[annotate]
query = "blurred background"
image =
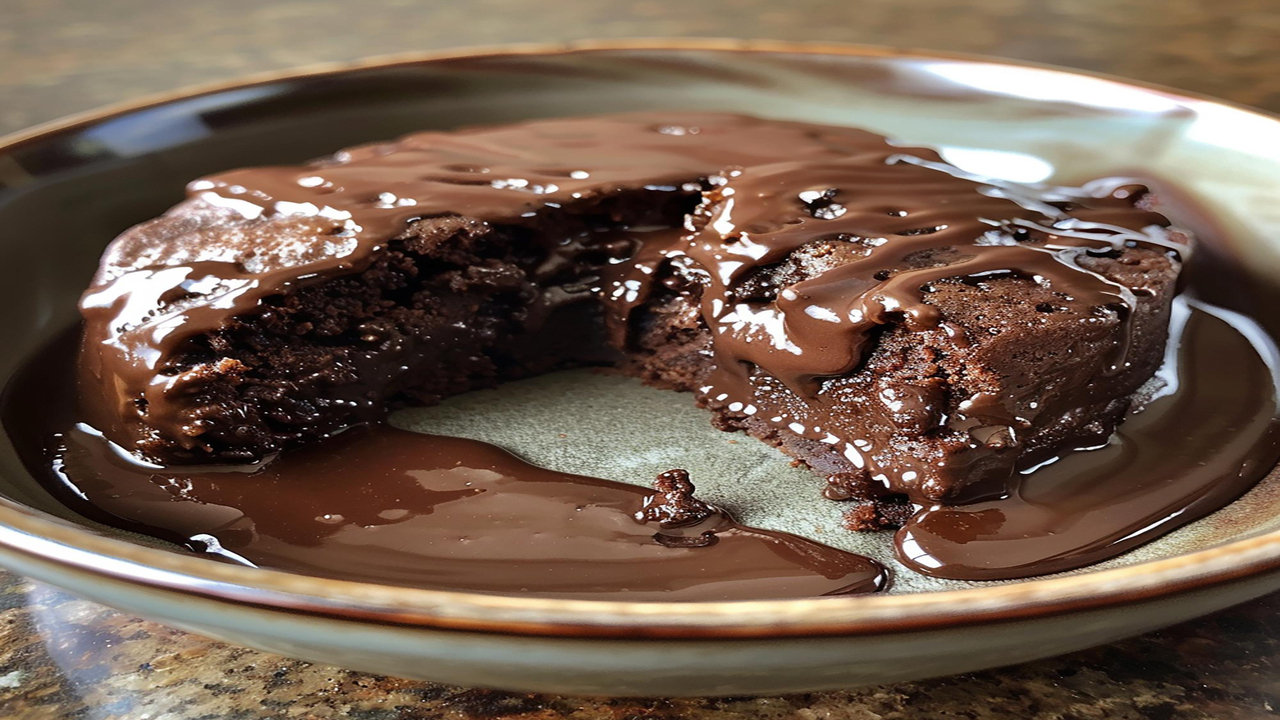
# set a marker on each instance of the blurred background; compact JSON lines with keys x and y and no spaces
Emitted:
{"x":64,"y":56}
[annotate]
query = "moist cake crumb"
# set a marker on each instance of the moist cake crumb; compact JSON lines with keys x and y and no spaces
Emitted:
{"x":881,"y":514}
{"x":673,"y":505}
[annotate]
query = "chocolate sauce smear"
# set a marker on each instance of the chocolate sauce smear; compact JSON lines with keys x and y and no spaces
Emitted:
{"x":385,"y":505}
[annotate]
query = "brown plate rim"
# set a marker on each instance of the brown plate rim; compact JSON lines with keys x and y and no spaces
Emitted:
{"x":32,"y":538}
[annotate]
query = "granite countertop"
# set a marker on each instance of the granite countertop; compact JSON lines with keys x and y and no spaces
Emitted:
{"x":61,"y":657}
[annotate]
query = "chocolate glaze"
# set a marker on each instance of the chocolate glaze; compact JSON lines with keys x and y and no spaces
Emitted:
{"x":819,"y":327}
{"x":767,"y":189}
{"x":380,"y":504}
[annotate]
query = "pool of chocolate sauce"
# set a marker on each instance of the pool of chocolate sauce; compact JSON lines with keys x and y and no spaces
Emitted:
{"x":381,"y":504}
{"x":387,"y":505}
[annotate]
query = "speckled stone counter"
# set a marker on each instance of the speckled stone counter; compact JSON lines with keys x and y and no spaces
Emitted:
{"x":61,"y":657}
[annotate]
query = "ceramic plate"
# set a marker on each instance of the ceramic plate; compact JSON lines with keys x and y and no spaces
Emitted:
{"x":67,"y":188}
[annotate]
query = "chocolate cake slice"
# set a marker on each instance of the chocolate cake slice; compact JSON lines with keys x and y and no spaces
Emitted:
{"x":879,"y":315}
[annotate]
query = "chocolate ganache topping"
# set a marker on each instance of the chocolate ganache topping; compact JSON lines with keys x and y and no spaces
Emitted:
{"x":802,"y":245}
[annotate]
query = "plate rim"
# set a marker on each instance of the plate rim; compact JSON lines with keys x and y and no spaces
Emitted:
{"x":47,"y":542}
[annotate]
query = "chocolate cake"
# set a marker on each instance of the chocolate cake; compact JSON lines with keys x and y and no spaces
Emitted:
{"x":910,"y":330}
